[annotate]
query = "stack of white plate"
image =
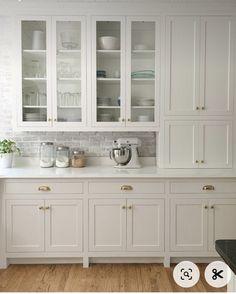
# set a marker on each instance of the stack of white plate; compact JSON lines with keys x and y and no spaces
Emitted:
{"x":34,"y":117}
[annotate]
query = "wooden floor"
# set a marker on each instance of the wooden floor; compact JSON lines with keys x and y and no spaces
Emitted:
{"x":97,"y":278}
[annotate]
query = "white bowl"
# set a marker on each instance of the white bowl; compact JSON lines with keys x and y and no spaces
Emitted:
{"x":108,"y":43}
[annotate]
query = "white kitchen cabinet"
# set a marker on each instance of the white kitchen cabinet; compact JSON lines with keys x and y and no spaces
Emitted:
{"x":222,"y":220}
{"x":206,"y":89}
{"x":107,"y":224}
{"x":188,"y":225}
{"x":205,"y":144}
{"x":52,"y":73}
{"x":25,"y":225}
{"x":126,"y":225}
{"x":64,"y":225}
{"x":182,"y":65}
{"x":145,"y":225}
{"x":44,"y":225}
{"x":126,"y":78}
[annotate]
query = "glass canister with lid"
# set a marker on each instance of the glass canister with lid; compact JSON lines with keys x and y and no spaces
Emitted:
{"x":62,"y":156}
{"x":46,"y":154}
{"x":78,"y":158}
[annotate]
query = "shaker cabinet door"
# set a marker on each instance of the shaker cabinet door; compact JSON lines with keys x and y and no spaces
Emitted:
{"x":107,"y":225}
{"x":181,"y":144}
{"x":63,"y":229}
{"x":217,"y":65}
{"x":222,"y":220}
{"x":25,"y":225}
{"x":145,"y":225}
{"x":188,"y":225}
{"x":182,"y":65}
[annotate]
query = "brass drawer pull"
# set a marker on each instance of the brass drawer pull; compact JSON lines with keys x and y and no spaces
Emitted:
{"x":130,"y":207}
{"x":44,"y":188}
{"x":205,"y":206}
{"x":123,"y":207}
{"x":47,"y":207}
{"x":208,"y":188}
{"x":41,"y":208}
{"x":126,"y":188}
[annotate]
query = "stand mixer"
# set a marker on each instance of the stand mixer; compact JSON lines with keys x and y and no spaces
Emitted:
{"x":125,"y":153}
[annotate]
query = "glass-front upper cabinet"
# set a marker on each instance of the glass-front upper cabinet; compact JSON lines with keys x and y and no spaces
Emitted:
{"x":108,"y":62}
{"x":143,"y":71}
{"x":34,"y":72}
{"x":69,"y":107}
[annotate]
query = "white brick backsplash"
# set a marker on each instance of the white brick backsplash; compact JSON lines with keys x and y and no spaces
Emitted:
{"x":95,"y":144}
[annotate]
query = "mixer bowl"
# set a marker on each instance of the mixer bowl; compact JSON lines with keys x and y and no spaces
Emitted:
{"x":121,"y":155}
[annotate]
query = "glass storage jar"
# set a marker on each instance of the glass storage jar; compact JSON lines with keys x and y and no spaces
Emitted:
{"x":78,"y":158}
{"x":62,"y":156}
{"x":46,"y":154}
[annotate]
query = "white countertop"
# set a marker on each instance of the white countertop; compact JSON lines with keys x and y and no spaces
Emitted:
{"x":111,"y":172}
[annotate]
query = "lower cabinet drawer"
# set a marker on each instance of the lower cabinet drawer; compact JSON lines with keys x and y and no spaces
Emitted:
{"x":212,"y":186}
{"x":126,"y":187}
{"x":43,"y":187}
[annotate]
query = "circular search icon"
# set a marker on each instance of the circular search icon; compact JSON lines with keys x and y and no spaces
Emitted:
{"x":186,"y":274}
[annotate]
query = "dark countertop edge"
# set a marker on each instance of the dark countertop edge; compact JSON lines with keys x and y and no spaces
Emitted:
{"x":225,"y":257}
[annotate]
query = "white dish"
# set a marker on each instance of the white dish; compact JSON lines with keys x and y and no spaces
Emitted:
{"x":108,"y":43}
{"x":140,"y":47}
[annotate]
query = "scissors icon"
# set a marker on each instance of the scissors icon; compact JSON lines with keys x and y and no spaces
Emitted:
{"x":217,"y":274}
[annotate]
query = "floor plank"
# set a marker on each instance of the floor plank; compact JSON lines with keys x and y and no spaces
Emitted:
{"x":97,"y":278}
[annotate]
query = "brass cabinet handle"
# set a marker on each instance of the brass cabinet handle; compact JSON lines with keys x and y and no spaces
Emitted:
{"x":203,"y":108}
{"x":213,"y":206}
{"x":130,"y":207}
{"x":123,"y":119}
{"x":197,"y":108}
{"x":208,"y":188}
{"x":202,"y":161}
{"x":196,"y":161}
{"x":44,"y":188}
{"x":55,"y":119}
{"x":47,"y":207}
{"x":126,"y":188}
{"x":129,"y":119}
{"x":41,"y":207}
{"x":49,"y":119}
{"x":206,"y":207}
{"x":123,"y":207}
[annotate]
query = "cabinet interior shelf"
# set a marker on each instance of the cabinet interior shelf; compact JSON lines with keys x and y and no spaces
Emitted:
{"x":143,"y":107}
{"x":34,"y":79}
{"x":69,"y":79}
{"x":69,"y":106}
{"x":143,"y":51}
{"x":108,"y":53}
{"x":34,"y":106}
{"x":68,"y":51}
{"x":34,"y":51}
{"x":108,"y":79}
{"x":143,"y":79}
{"x":108,"y":107}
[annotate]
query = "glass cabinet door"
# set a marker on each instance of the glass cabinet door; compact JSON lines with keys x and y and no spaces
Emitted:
{"x":143,"y":72}
{"x":34,"y":72}
{"x":108,"y":60}
{"x":69,"y":78}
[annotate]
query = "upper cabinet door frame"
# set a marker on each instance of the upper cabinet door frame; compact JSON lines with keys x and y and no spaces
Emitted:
{"x":80,"y":19}
{"x":215,"y":51}
{"x":121,"y":122}
{"x":19,"y":81}
{"x":178,"y":61}
{"x":157,"y":81}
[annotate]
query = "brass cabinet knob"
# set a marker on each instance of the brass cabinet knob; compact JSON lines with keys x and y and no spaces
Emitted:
{"x":49,"y":119}
{"x":129,"y":119}
{"x":130,"y":207}
{"x":126,"y":188}
{"x":55,"y":119}
{"x":44,"y":188}
{"x":202,"y":161}
{"x":123,"y":119}
{"x":47,"y":207}
{"x":41,"y":207}
{"x":196,"y":161}
{"x":197,"y":108}
{"x":213,"y":206}
{"x":123,"y":207}
{"x":203,"y":108}
{"x":208,"y":188}
{"x":206,"y":207}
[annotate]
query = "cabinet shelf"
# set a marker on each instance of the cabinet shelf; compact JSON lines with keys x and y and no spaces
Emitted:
{"x":116,"y":80}
{"x":68,"y":51}
{"x":143,"y":79}
{"x":35,"y":79}
{"x":143,"y":51}
{"x":108,"y":107}
{"x":34,"y":106}
{"x":143,"y":107}
{"x":65,"y":107}
{"x":108,"y":53}
{"x":69,"y":79}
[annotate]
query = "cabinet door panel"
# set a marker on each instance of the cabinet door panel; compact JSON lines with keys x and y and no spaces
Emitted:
{"x":64,"y":225}
{"x":107,"y":225}
{"x":181,"y":144}
{"x":222,"y":220}
{"x":25,"y":225}
{"x":145,"y":225}
{"x":182,"y":80}
{"x":188,"y":225}
{"x":217,"y":64}
{"x":216,"y":144}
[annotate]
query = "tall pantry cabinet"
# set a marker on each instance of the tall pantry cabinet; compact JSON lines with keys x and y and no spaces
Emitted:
{"x":199,"y":91}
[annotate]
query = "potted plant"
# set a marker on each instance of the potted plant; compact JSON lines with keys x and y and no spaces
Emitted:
{"x":7,"y":149}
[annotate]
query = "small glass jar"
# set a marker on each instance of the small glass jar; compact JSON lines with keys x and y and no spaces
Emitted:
{"x":62,"y":156}
{"x":46,"y":154}
{"x":78,"y":158}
